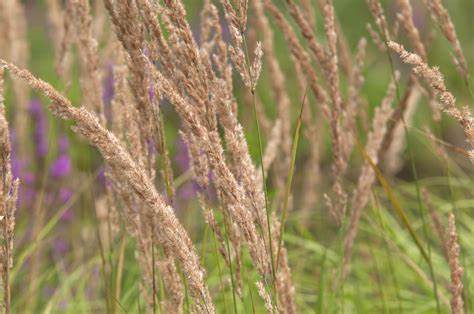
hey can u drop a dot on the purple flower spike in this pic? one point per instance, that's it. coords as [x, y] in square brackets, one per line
[182, 155]
[108, 84]
[40, 133]
[101, 177]
[61, 167]
[65, 195]
[60, 246]
[151, 92]
[27, 195]
[28, 178]
[17, 167]
[63, 144]
[35, 108]
[17, 164]
[67, 216]
[108, 93]
[188, 191]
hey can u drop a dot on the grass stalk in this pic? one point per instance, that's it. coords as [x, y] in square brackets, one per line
[264, 181]
[119, 269]
[219, 269]
[415, 175]
[289, 180]
[232, 279]
[395, 203]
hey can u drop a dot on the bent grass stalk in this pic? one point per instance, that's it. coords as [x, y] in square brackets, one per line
[265, 190]
[415, 174]
[103, 271]
[422, 213]
[221, 283]
[291, 172]
[394, 201]
[383, 226]
[267, 209]
[232, 279]
[404, 218]
[417, 187]
[119, 270]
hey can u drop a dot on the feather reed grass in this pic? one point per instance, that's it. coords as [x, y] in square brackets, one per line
[148, 72]
[8, 202]
[457, 270]
[170, 232]
[435, 80]
[441, 16]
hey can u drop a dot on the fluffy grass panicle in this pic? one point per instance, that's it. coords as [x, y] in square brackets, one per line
[219, 136]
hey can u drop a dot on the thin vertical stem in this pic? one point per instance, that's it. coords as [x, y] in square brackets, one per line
[6, 267]
[415, 175]
[264, 181]
[234, 298]
[219, 271]
[291, 172]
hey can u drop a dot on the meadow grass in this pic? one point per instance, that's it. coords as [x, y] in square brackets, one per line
[236, 156]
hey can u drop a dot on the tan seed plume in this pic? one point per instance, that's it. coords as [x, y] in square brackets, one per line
[435, 80]
[457, 270]
[172, 234]
[406, 20]
[367, 176]
[441, 16]
[8, 200]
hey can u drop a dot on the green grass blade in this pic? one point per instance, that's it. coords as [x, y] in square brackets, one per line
[395, 203]
[291, 172]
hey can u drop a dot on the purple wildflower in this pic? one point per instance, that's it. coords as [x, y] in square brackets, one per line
[108, 84]
[108, 94]
[27, 195]
[17, 167]
[17, 164]
[60, 246]
[188, 191]
[28, 178]
[101, 177]
[68, 215]
[61, 167]
[182, 154]
[40, 133]
[65, 195]
[63, 144]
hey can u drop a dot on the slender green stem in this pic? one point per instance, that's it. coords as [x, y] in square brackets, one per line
[394, 201]
[267, 209]
[415, 175]
[289, 181]
[422, 213]
[320, 301]
[153, 274]
[119, 268]
[104, 271]
[388, 253]
[219, 271]
[378, 278]
[265, 191]
[186, 291]
[234, 298]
